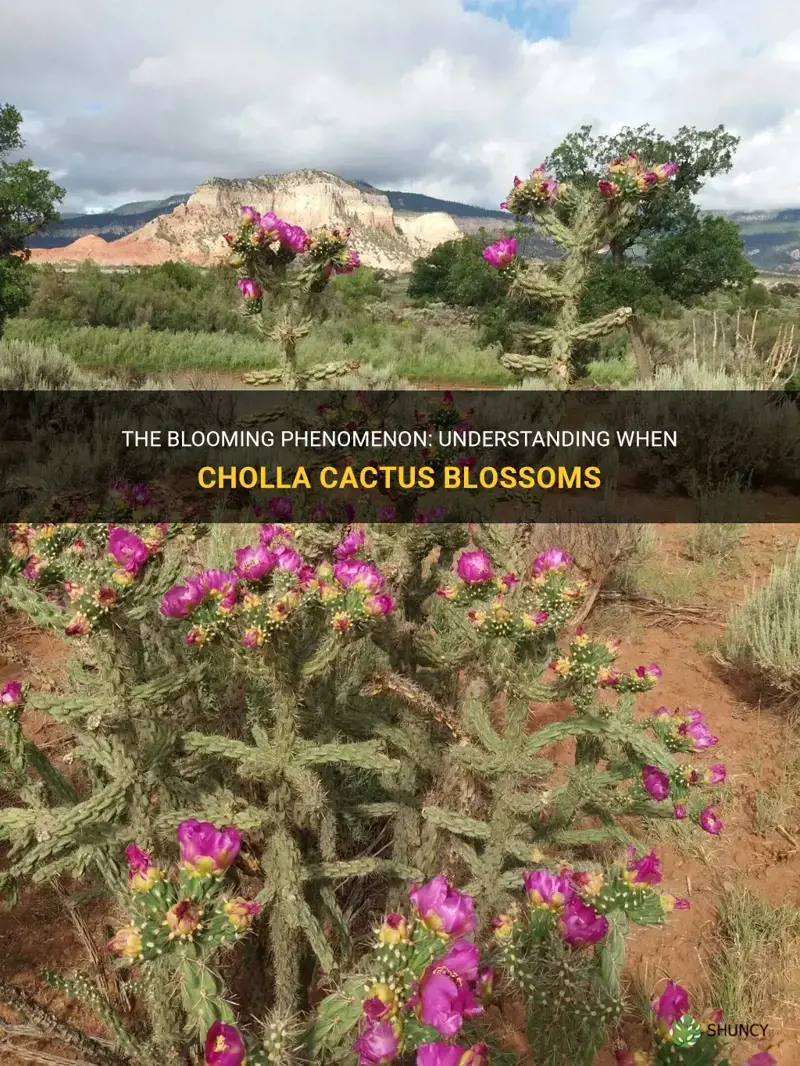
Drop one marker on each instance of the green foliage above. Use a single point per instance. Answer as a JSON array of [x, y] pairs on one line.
[[705, 254], [700, 154], [28, 201], [455, 273], [174, 296]]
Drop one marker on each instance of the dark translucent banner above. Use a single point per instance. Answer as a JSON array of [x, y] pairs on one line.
[[491, 456]]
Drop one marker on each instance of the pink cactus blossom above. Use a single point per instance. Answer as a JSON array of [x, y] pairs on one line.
[[552, 559], [224, 1046], [249, 214], [446, 993], [500, 254], [452, 1055], [11, 694], [581, 924], [548, 890], [671, 1005], [644, 871], [143, 874], [474, 567], [358, 575], [656, 782], [352, 544], [253, 564], [182, 600], [380, 605], [206, 850], [378, 1043], [716, 775], [127, 550], [710, 822], [653, 671], [241, 912], [607, 189], [443, 909], [250, 289]]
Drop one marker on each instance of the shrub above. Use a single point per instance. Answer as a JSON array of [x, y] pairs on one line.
[[29, 366], [762, 638]]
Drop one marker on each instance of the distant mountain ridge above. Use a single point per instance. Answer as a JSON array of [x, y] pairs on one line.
[[125, 219], [771, 238]]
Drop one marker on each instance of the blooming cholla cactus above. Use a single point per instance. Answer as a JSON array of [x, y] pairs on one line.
[[268, 584], [283, 271], [87, 571], [597, 215], [515, 609]]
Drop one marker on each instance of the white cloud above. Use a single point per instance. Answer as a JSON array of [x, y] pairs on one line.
[[154, 97]]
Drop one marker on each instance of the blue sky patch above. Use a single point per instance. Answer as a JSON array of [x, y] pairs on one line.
[[547, 18]]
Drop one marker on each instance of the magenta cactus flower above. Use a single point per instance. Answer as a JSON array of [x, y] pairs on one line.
[[378, 1044], [249, 214], [380, 1003], [11, 695], [552, 559], [653, 671], [205, 850], [680, 812], [269, 533], [474, 567], [127, 550], [644, 871], [696, 729], [607, 189], [656, 782], [253, 564], [219, 585], [358, 575], [761, 1058], [501, 253], [143, 874], [443, 909], [551, 891], [716, 775], [671, 1005], [452, 1055], [710, 822], [250, 289], [224, 1046], [282, 508], [293, 238], [352, 544], [446, 994], [581, 924], [380, 605], [182, 600]]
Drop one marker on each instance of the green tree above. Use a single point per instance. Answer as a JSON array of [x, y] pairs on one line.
[[455, 273], [703, 255], [28, 201], [581, 159]]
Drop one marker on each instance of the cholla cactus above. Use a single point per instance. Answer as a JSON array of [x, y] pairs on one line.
[[596, 217], [283, 270]]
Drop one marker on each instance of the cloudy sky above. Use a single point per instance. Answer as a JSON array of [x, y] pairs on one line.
[[139, 99]]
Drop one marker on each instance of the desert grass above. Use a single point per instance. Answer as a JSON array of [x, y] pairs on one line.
[[417, 351], [754, 969]]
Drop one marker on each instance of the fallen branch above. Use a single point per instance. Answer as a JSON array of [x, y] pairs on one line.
[[43, 1057], [53, 1028], [661, 614]]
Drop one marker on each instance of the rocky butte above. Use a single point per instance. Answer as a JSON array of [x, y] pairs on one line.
[[192, 232]]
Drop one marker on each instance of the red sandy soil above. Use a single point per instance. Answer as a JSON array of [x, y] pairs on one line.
[[37, 933]]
